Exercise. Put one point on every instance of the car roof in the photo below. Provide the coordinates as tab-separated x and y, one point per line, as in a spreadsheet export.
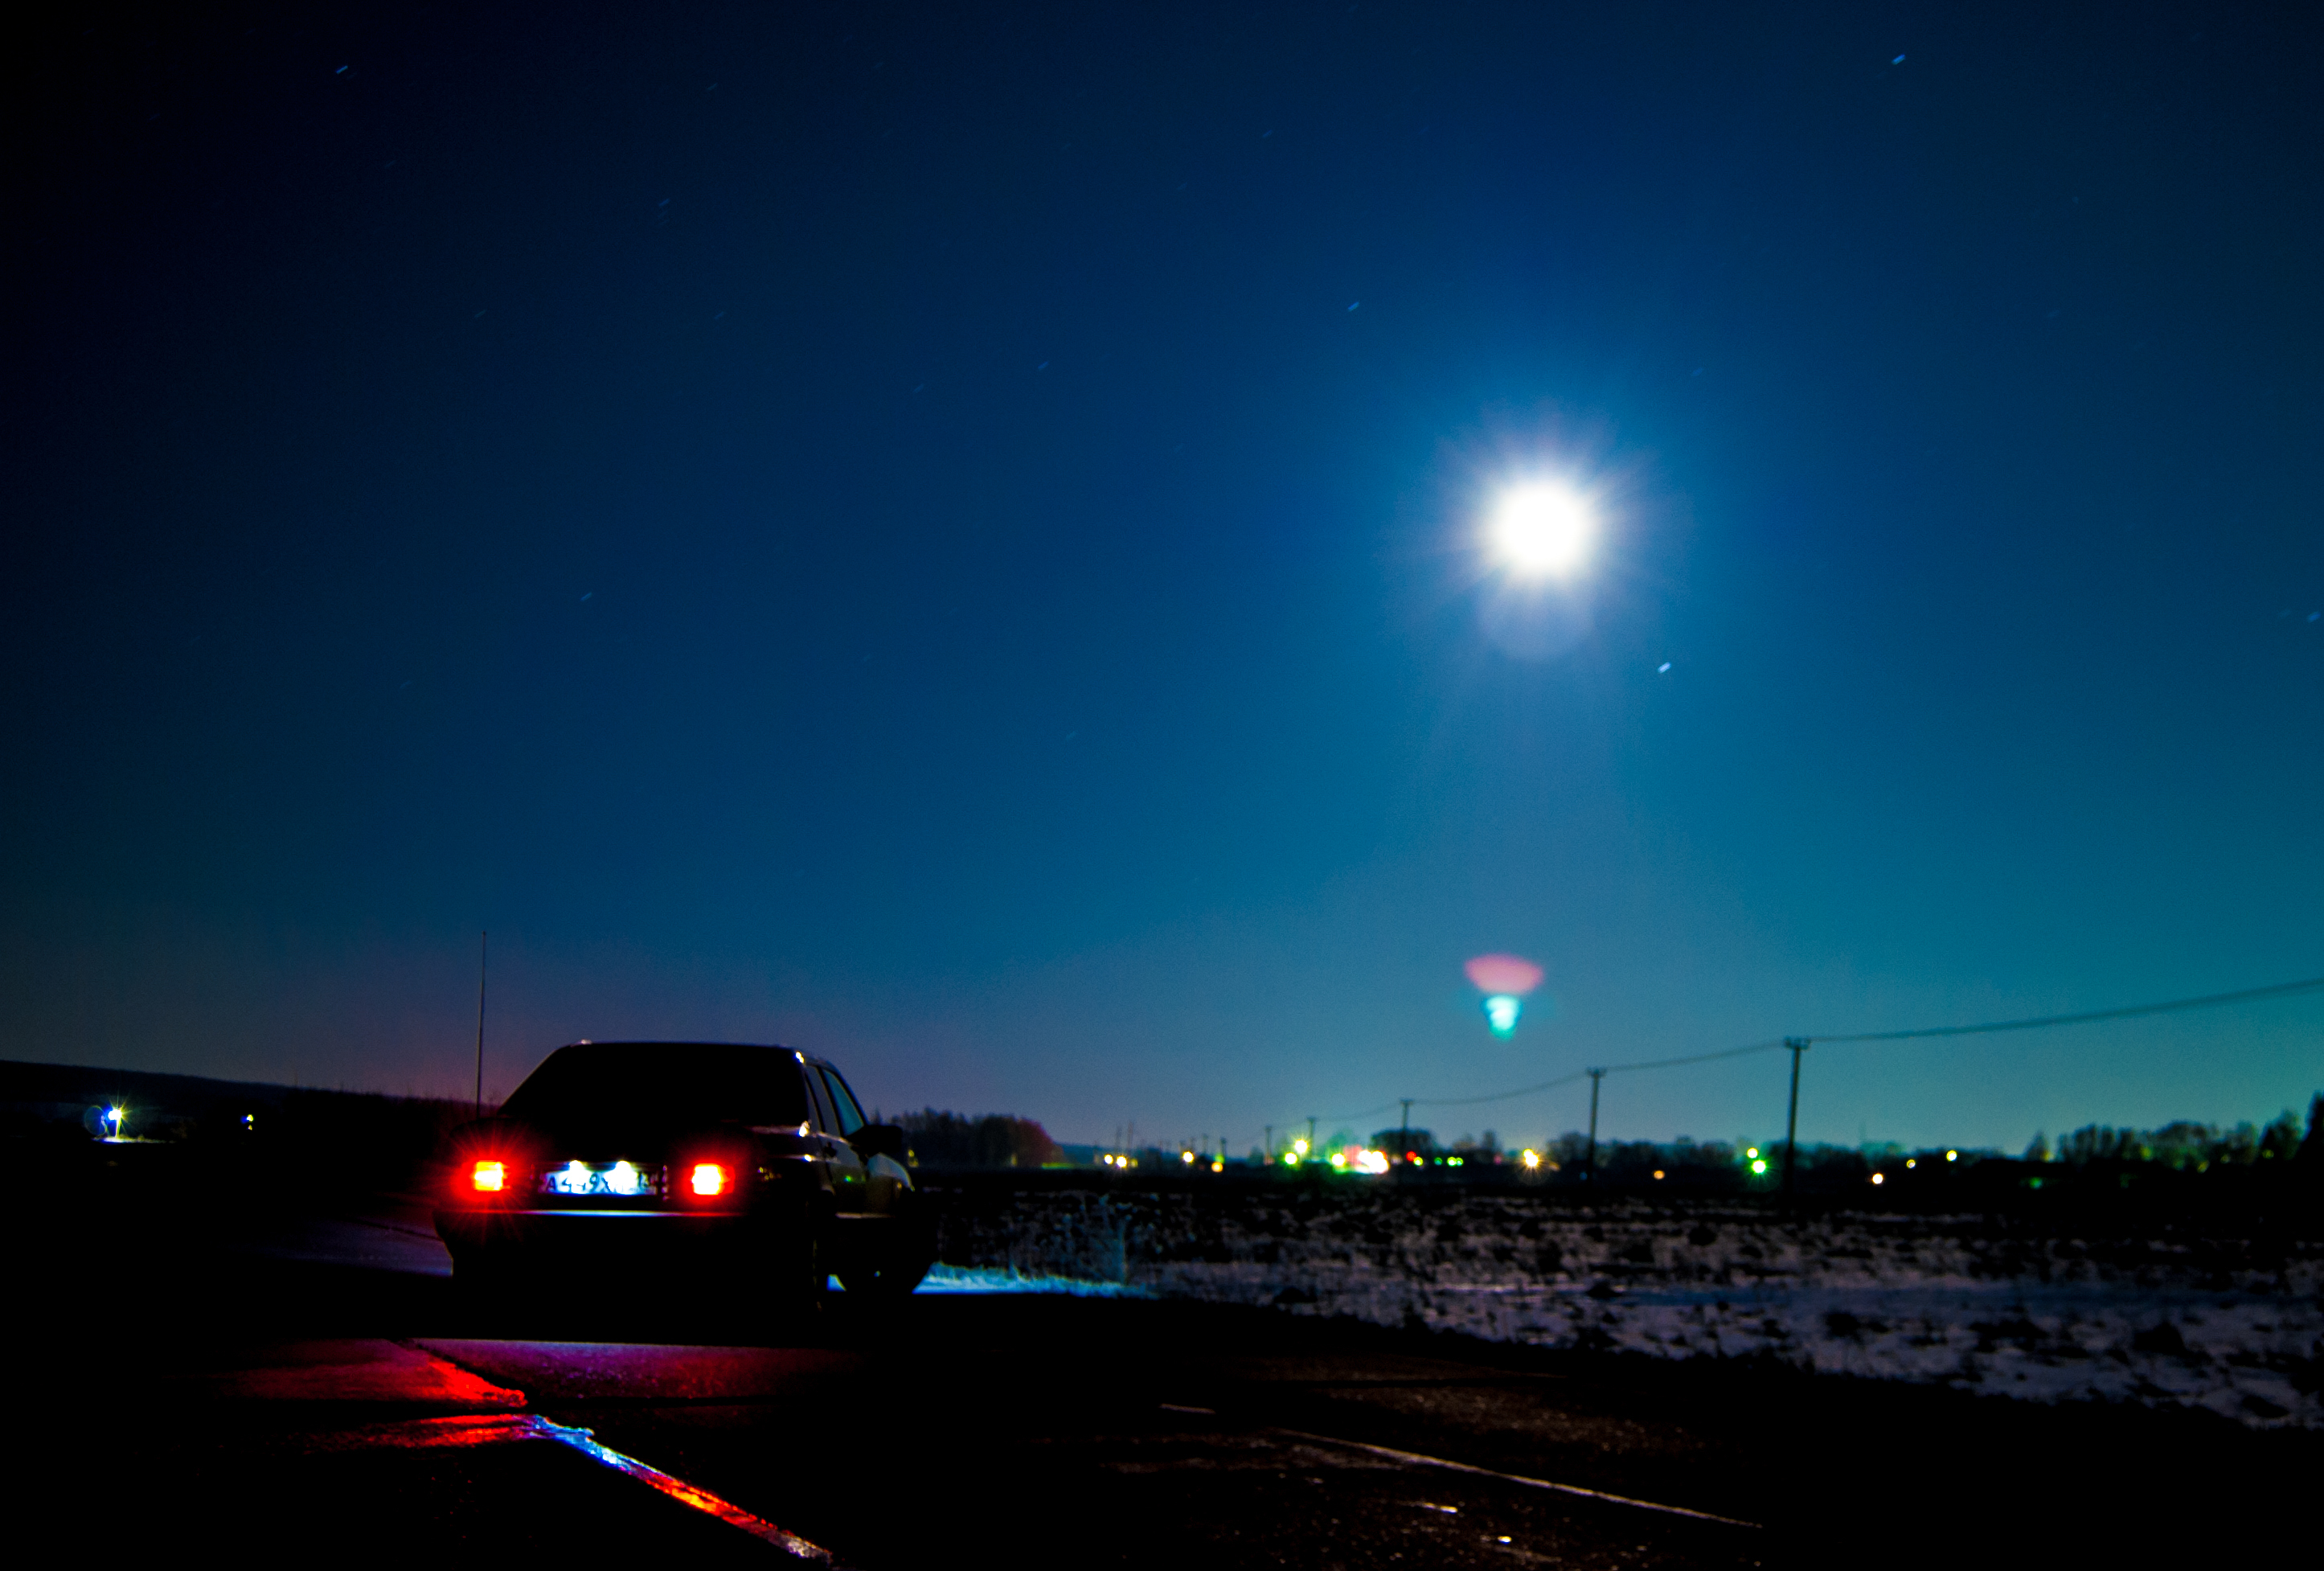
800	1054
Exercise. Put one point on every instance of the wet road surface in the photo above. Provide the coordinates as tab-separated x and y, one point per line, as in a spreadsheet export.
318	1384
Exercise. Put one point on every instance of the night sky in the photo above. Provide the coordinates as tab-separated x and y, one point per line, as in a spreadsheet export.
950	538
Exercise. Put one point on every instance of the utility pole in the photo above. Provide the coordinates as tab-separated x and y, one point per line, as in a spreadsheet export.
1267	1152
1406	1127
483	940
1311	1135
1589	1165
1798	1045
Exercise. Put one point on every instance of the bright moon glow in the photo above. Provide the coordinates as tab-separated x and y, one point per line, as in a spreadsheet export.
1541	530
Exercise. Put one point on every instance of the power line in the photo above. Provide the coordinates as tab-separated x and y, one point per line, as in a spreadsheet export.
1609	1070
1352	1117
1547	1084
2172	1006
1766	1047
2036	1022
1498	1095
2125	1011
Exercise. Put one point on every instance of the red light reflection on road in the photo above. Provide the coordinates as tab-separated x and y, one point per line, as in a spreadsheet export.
429	1434
433	1434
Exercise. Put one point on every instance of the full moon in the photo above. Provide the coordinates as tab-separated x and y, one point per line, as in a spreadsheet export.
1540	530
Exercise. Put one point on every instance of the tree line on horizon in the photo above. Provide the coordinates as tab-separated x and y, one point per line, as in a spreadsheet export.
993	1140
2183	1144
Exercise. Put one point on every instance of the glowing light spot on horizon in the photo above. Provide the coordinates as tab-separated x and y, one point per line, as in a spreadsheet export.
1759	1166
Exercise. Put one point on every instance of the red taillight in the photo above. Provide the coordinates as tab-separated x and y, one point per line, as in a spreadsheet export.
489	1177
708	1179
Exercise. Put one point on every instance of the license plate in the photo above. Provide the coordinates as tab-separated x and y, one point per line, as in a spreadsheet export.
617	1180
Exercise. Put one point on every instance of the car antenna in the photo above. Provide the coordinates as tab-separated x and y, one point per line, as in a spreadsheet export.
483	940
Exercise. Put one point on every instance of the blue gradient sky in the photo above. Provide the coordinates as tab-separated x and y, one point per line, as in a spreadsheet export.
947	536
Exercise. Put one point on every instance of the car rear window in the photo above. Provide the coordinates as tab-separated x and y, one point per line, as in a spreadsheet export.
842	1103
664	1083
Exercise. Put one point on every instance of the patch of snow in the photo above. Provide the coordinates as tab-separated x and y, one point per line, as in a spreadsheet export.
950	1279
2225	1325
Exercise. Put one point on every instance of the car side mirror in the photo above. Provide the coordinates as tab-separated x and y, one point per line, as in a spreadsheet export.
881	1139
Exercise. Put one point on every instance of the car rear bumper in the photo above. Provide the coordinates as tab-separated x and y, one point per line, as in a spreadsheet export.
581	1235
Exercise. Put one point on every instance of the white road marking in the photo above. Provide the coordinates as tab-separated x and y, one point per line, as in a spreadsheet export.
1417	1459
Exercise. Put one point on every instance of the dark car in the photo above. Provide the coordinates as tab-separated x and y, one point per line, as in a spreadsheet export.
646	1156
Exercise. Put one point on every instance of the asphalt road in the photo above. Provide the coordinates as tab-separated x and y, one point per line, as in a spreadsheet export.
292	1384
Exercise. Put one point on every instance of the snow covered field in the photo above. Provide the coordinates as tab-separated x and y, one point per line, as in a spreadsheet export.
2227	1325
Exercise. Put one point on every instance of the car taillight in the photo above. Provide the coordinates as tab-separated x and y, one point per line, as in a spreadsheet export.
708	1179
488	1177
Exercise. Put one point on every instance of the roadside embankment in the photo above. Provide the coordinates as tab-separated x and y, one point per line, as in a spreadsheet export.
2162	1314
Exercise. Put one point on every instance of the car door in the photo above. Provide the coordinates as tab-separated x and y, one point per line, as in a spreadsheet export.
885	1177
850	1183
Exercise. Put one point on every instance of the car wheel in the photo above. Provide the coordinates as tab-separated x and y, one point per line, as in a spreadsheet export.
895	1280
794	1277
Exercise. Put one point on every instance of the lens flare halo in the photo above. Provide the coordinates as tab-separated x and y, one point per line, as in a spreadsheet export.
1504	980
